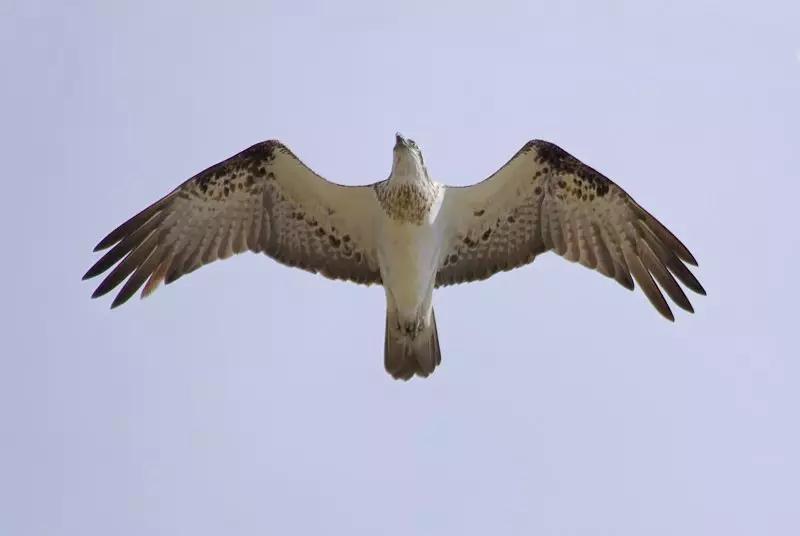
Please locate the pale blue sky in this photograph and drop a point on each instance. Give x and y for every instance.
(249, 398)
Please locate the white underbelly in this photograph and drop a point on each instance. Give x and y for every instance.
(409, 260)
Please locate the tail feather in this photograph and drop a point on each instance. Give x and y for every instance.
(406, 355)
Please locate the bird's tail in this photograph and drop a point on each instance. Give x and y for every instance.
(410, 350)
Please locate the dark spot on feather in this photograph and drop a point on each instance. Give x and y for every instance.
(346, 238)
(249, 162)
(453, 258)
(320, 232)
(312, 223)
(469, 242)
(335, 242)
(511, 219)
(358, 256)
(203, 183)
(561, 161)
(479, 212)
(486, 234)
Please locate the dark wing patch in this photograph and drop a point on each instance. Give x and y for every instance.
(545, 199)
(237, 205)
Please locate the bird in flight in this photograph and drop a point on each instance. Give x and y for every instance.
(408, 233)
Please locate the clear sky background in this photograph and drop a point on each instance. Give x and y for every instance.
(250, 398)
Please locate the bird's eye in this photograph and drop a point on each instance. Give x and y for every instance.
(412, 143)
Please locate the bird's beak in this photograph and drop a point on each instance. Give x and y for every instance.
(400, 141)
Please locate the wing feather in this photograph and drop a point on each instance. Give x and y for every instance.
(546, 226)
(662, 275)
(557, 203)
(557, 229)
(646, 282)
(262, 199)
(605, 262)
(586, 254)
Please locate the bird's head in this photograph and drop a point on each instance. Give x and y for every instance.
(408, 162)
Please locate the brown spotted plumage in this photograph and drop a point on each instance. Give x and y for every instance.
(262, 200)
(545, 199)
(407, 202)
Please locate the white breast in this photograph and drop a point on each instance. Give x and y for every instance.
(409, 259)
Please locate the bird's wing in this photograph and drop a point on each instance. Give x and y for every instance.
(263, 199)
(545, 199)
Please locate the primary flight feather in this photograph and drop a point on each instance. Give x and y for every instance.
(407, 233)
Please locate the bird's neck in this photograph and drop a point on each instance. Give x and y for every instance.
(410, 177)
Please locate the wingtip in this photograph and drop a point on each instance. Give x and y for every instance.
(106, 243)
(97, 293)
(96, 269)
(701, 290)
(666, 312)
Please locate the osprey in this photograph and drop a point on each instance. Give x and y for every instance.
(407, 233)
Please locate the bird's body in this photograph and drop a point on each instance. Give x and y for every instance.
(408, 233)
(410, 236)
(408, 257)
